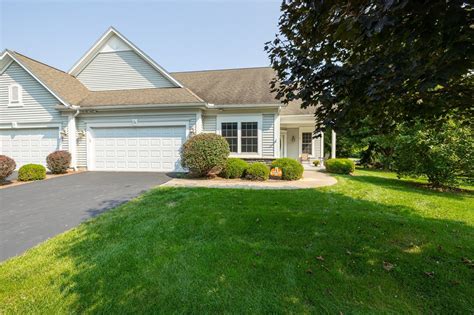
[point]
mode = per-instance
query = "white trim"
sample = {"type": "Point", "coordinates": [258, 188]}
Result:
{"type": "Point", "coordinates": [333, 144]}
{"type": "Point", "coordinates": [6, 66]}
{"type": "Point", "coordinates": [276, 136]}
{"type": "Point", "coordinates": [19, 102]}
{"type": "Point", "coordinates": [297, 119]}
{"type": "Point", "coordinates": [222, 118]}
{"type": "Point", "coordinates": [90, 154]}
{"type": "Point", "coordinates": [72, 141]}
{"type": "Point", "coordinates": [283, 133]}
{"type": "Point", "coordinates": [199, 126]}
{"type": "Point", "coordinates": [233, 106]}
{"type": "Point", "coordinates": [33, 126]}
{"type": "Point", "coordinates": [37, 79]}
{"type": "Point", "coordinates": [321, 146]}
{"type": "Point", "coordinates": [82, 63]}
{"type": "Point", "coordinates": [313, 141]}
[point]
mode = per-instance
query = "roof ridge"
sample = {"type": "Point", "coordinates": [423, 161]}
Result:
{"type": "Point", "coordinates": [224, 69]}
{"type": "Point", "coordinates": [40, 62]}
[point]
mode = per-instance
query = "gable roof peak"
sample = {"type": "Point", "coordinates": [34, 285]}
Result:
{"type": "Point", "coordinates": [121, 42]}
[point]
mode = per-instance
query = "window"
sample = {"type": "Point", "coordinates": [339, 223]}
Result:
{"type": "Point", "coordinates": [242, 136]}
{"type": "Point", "coordinates": [14, 95]}
{"type": "Point", "coordinates": [249, 137]}
{"type": "Point", "coordinates": [230, 133]}
{"type": "Point", "coordinates": [307, 142]}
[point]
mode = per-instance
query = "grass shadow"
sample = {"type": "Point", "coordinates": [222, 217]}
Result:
{"type": "Point", "coordinates": [211, 250]}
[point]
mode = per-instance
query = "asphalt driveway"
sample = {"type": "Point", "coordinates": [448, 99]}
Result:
{"type": "Point", "coordinates": [32, 213]}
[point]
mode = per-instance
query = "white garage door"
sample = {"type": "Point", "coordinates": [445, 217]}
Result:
{"type": "Point", "coordinates": [29, 145]}
{"type": "Point", "coordinates": [137, 148]}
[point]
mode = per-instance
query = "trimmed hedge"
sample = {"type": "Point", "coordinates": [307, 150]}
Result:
{"type": "Point", "coordinates": [58, 162]}
{"type": "Point", "coordinates": [291, 169]}
{"type": "Point", "coordinates": [30, 172]}
{"type": "Point", "coordinates": [340, 166]}
{"type": "Point", "coordinates": [234, 168]}
{"type": "Point", "coordinates": [205, 154]}
{"type": "Point", "coordinates": [7, 166]}
{"type": "Point", "coordinates": [257, 171]}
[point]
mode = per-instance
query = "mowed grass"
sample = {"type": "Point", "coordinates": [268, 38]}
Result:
{"type": "Point", "coordinates": [370, 244]}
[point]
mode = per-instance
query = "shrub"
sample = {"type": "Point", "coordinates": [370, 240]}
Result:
{"type": "Point", "coordinates": [340, 166]}
{"type": "Point", "coordinates": [316, 163]}
{"type": "Point", "coordinates": [204, 154]}
{"type": "Point", "coordinates": [31, 172]}
{"type": "Point", "coordinates": [58, 162]}
{"type": "Point", "coordinates": [257, 171]}
{"type": "Point", "coordinates": [291, 169]}
{"type": "Point", "coordinates": [7, 166]}
{"type": "Point", "coordinates": [445, 155]}
{"type": "Point", "coordinates": [234, 168]}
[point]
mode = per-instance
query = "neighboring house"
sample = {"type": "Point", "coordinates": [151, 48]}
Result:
{"type": "Point", "coordinates": [118, 110]}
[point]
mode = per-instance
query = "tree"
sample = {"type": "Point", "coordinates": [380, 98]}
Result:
{"type": "Point", "coordinates": [445, 155]}
{"type": "Point", "coordinates": [376, 61]}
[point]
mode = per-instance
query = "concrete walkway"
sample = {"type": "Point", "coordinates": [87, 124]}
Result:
{"type": "Point", "coordinates": [311, 178]}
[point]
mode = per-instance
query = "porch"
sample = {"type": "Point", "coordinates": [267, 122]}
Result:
{"type": "Point", "coordinates": [298, 142]}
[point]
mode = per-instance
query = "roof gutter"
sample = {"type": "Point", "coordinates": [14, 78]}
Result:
{"type": "Point", "coordinates": [134, 106]}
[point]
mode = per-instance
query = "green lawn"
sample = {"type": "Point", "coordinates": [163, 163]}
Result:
{"type": "Point", "coordinates": [243, 251]}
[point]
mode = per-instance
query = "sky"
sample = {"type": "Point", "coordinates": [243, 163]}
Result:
{"type": "Point", "coordinates": [180, 35]}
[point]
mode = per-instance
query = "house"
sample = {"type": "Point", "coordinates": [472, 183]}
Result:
{"type": "Point", "coordinates": [118, 110]}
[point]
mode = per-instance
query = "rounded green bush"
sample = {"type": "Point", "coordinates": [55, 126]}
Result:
{"type": "Point", "coordinates": [205, 154]}
{"type": "Point", "coordinates": [7, 166]}
{"type": "Point", "coordinates": [340, 166]}
{"type": "Point", "coordinates": [234, 168]}
{"type": "Point", "coordinates": [291, 169]}
{"type": "Point", "coordinates": [316, 163]}
{"type": "Point", "coordinates": [30, 172]}
{"type": "Point", "coordinates": [257, 171]}
{"type": "Point", "coordinates": [58, 162]}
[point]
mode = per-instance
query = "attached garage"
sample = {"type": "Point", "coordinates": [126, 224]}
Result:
{"type": "Point", "coordinates": [29, 145]}
{"type": "Point", "coordinates": [152, 148]}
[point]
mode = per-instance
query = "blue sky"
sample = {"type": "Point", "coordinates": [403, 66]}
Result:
{"type": "Point", "coordinates": [179, 35]}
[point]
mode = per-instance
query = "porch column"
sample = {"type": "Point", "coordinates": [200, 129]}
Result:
{"type": "Point", "coordinates": [71, 138]}
{"type": "Point", "coordinates": [333, 144]}
{"type": "Point", "coordinates": [321, 147]}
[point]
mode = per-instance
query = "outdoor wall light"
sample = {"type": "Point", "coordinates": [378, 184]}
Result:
{"type": "Point", "coordinates": [293, 139]}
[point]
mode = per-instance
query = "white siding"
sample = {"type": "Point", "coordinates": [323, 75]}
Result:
{"type": "Point", "coordinates": [209, 123]}
{"type": "Point", "coordinates": [124, 118]}
{"type": "Point", "coordinates": [268, 141]}
{"type": "Point", "coordinates": [121, 70]}
{"type": "Point", "coordinates": [38, 103]}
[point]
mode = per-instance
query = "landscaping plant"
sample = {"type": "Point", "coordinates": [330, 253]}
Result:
{"type": "Point", "coordinates": [316, 163]}
{"type": "Point", "coordinates": [340, 166]}
{"type": "Point", "coordinates": [234, 168]}
{"type": "Point", "coordinates": [444, 155]}
{"type": "Point", "coordinates": [205, 154]}
{"type": "Point", "coordinates": [58, 162]}
{"type": "Point", "coordinates": [29, 172]}
{"type": "Point", "coordinates": [257, 171]}
{"type": "Point", "coordinates": [291, 169]}
{"type": "Point", "coordinates": [7, 166]}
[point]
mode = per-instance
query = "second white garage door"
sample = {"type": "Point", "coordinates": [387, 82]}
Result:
{"type": "Point", "coordinates": [29, 145]}
{"type": "Point", "coordinates": [137, 148]}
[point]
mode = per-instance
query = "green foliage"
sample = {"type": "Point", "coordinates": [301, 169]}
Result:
{"type": "Point", "coordinates": [403, 60]}
{"type": "Point", "coordinates": [444, 155]}
{"type": "Point", "coordinates": [58, 162]}
{"type": "Point", "coordinates": [29, 172]}
{"type": "Point", "coordinates": [204, 154]}
{"type": "Point", "coordinates": [340, 166]}
{"type": "Point", "coordinates": [7, 166]}
{"type": "Point", "coordinates": [257, 171]}
{"type": "Point", "coordinates": [316, 163]}
{"type": "Point", "coordinates": [291, 169]}
{"type": "Point", "coordinates": [234, 168]}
